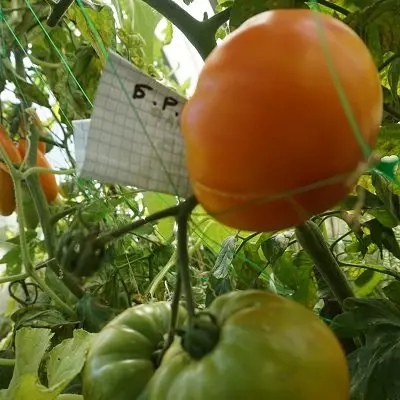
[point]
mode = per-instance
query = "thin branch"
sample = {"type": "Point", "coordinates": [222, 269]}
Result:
{"type": "Point", "coordinates": [44, 64]}
{"type": "Point", "coordinates": [183, 254]}
{"type": "Point", "coordinates": [202, 39]}
{"type": "Point", "coordinates": [381, 271]}
{"type": "Point", "coordinates": [390, 110]}
{"type": "Point", "coordinates": [388, 61]}
{"type": "Point", "coordinates": [212, 24]}
{"type": "Point", "coordinates": [340, 238]}
{"type": "Point", "coordinates": [62, 214]}
{"type": "Point", "coordinates": [38, 170]}
{"type": "Point", "coordinates": [107, 237]}
{"type": "Point", "coordinates": [5, 362]}
{"type": "Point", "coordinates": [245, 240]}
{"type": "Point", "coordinates": [334, 7]}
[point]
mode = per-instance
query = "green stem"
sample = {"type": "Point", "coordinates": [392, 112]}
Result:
{"type": "Point", "coordinates": [182, 253]}
{"type": "Point", "coordinates": [107, 237]}
{"type": "Point", "coordinates": [200, 34]}
{"type": "Point", "coordinates": [68, 285]}
{"type": "Point", "coordinates": [14, 278]}
{"type": "Point", "coordinates": [311, 239]}
{"type": "Point", "coordinates": [45, 64]}
{"type": "Point", "coordinates": [334, 7]}
{"type": "Point", "coordinates": [212, 24]}
{"type": "Point", "coordinates": [37, 170]}
{"type": "Point", "coordinates": [174, 315]}
{"type": "Point", "coordinates": [5, 362]}
{"type": "Point", "coordinates": [388, 61]}
{"type": "Point", "coordinates": [380, 271]}
{"type": "Point", "coordinates": [21, 277]}
{"type": "Point", "coordinates": [30, 270]}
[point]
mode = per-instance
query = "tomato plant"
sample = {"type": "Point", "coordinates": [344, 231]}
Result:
{"type": "Point", "coordinates": [267, 122]}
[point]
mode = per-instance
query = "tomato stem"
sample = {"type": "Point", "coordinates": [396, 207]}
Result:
{"type": "Point", "coordinates": [114, 234]}
{"type": "Point", "coordinates": [183, 255]}
{"type": "Point", "coordinates": [311, 239]}
{"type": "Point", "coordinates": [66, 285]}
{"type": "Point", "coordinates": [30, 270]}
{"type": "Point", "coordinates": [174, 317]}
{"type": "Point", "coordinates": [37, 170]}
{"type": "Point", "coordinates": [7, 362]}
{"type": "Point", "coordinates": [200, 34]}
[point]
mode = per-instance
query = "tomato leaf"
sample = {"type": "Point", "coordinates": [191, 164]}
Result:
{"type": "Point", "coordinates": [363, 314]}
{"type": "Point", "coordinates": [223, 263]}
{"type": "Point", "coordinates": [102, 21]}
{"type": "Point", "coordinates": [211, 232]}
{"type": "Point", "coordinates": [31, 345]}
{"type": "Point", "coordinates": [294, 271]}
{"type": "Point", "coordinates": [383, 237]}
{"type": "Point", "coordinates": [372, 366]}
{"type": "Point", "coordinates": [39, 315]}
{"type": "Point", "coordinates": [93, 315]}
{"type": "Point", "coordinates": [274, 247]}
{"type": "Point", "coordinates": [373, 41]}
{"type": "Point", "coordinates": [64, 362]}
{"type": "Point", "coordinates": [219, 281]}
{"type": "Point", "coordinates": [394, 77]}
{"type": "Point", "coordinates": [384, 191]}
{"type": "Point", "coordinates": [389, 139]}
{"type": "Point", "coordinates": [156, 202]}
{"type": "Point", "coordinates": [66, 359]}
{"type": "Point", "coordinates": [392, 292]}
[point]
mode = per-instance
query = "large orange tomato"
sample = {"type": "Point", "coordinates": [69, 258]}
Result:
{"type": "Point", "coordinates": [47, 180]}
{"type": "Point", "coordinates": [7, 196]}
{"type": "Point", "coordinates": [267, 120]}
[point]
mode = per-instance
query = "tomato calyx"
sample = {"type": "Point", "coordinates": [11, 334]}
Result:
{"type": "Point", "coordinates": [201, 336]}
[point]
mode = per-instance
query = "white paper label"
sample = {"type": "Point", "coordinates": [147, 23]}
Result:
{"type": "Point", "coordinates": [133, 136]}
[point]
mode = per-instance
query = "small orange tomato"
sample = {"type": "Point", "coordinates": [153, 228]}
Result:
{"type": "Point", "coordinates": [7, 196]}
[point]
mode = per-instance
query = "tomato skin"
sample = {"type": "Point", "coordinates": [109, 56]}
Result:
{"type": "Point", "coordinates": [119, 363]}
{"type": "Point", "coordinates": [47, 180]}
{"type": "Point", "coordinates": [269, 348]}
{"type": "Point", "coordinates": [7, 195]}
{"type": "Point", "coordinates": [266, 119]}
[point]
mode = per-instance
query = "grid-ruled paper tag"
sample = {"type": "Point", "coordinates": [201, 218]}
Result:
{"type": "Point", "coordinates": [133, 137]}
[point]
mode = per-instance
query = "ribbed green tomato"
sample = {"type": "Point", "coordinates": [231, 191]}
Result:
{"type": "Point", "coordinates": [120, 361]}
{"type": "Point", "coordinates": [269, 348]}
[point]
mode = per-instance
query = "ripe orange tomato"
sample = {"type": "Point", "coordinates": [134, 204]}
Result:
{"type": "Point", "coordinates": [47, 180]}
{"type": "Point", "coordinates": [7, 196]}
{"type": "Point", "coordinates": [266, 119]}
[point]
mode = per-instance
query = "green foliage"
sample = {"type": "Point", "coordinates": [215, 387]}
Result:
{"type": "Point", "coordinates": [141, 265]}
{"type": "Point", "coordinates": [62, 363]}
{"type": "Point", "coordinates": [374, 364]}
